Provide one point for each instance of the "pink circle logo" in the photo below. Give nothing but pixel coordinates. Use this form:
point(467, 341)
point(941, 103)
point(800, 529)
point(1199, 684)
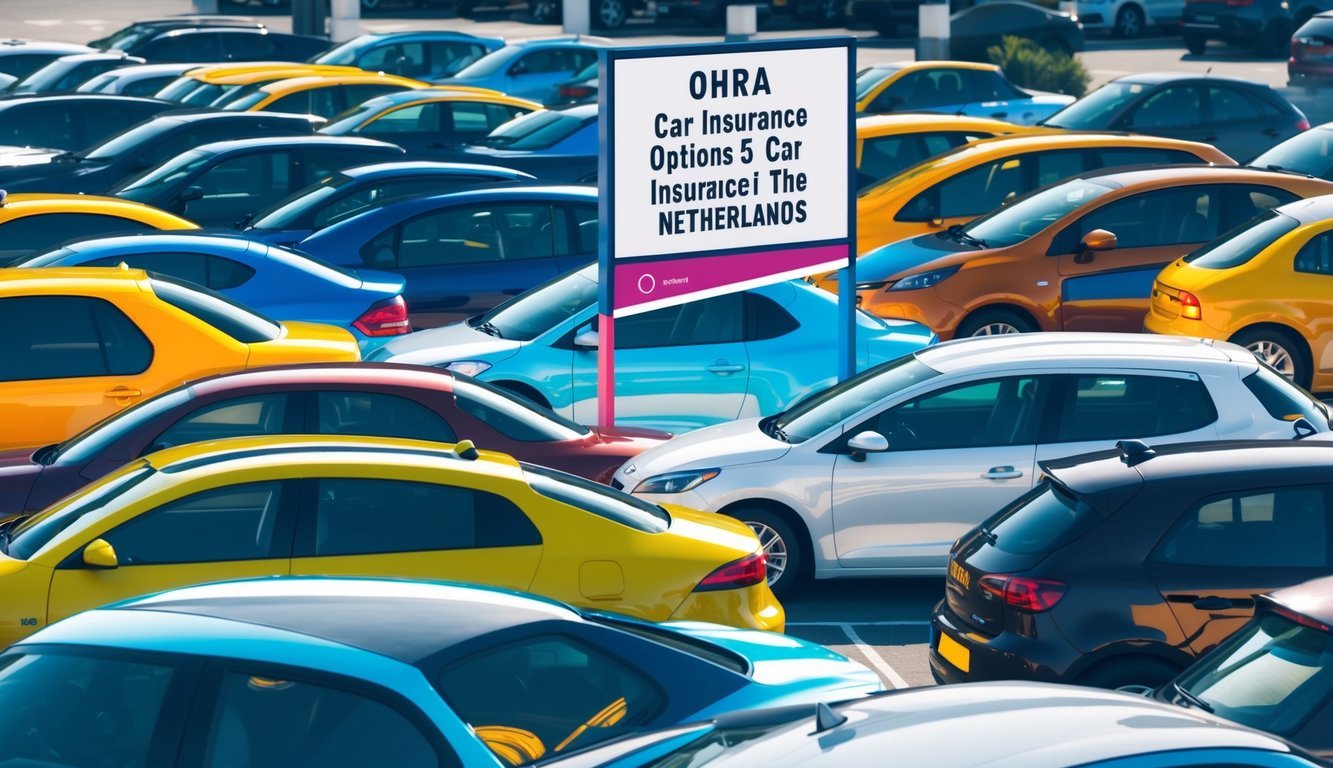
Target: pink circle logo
point(647, 283)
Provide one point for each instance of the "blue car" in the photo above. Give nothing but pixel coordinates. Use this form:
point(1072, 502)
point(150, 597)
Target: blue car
point(282, 284)
point(954, 88)
point(430, 55)
point(343, 194)
point(557, 145)
point(465, 252)
point(531, 69)
point(745, 354)
point(309, 672)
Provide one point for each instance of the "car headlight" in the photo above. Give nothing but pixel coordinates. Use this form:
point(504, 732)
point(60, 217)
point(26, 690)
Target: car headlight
point(923, 279)
point(677, 482)
point(467, 367)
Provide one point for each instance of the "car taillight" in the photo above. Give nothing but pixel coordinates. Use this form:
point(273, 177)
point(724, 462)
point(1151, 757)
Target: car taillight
point(1302, 124)
point(387, 317)
point(745, 572)
point(1300, 618)
point(575, 91)
point(1190, 308)
point(1024, 594)
point(1239, 3)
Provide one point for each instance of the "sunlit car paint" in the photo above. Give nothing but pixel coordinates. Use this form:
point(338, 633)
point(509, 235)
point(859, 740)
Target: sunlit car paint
point(995, 97)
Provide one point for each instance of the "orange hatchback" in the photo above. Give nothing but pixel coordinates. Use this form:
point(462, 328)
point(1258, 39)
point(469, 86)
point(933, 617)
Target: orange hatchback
point(1079, 255)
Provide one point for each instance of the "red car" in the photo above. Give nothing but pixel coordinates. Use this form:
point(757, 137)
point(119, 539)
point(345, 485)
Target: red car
point(1311, 61)
point(331, 399)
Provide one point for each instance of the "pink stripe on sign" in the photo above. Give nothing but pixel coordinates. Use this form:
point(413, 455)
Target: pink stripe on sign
point(652, 281)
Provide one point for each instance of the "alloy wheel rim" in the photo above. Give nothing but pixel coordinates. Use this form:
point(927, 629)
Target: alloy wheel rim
point(1129, 25)
point(996, 329)
point(775, 550)
point(1276, 356)
point(611, 13)
point(829, 9)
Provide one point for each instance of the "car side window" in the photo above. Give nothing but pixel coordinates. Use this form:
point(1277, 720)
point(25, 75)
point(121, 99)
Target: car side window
point(540, 696)
point(235, 523)
point(448, 57)
point(472, 120)
point(992, 86)
point(42, 125)
point(379, 415)
point(1114, 407)
point(356, 94)
point(413, 118)
point(61, 337)
point(539, 62)
point(765, 319)
point(1241, 202)
point(1054, 166)
point(1171, 216)
point(43, 230)
point(1273, 528)
point(978, 414)
point(262, 721)
point(585, 228)
point(259, 175)
point(470, 234)
point(235, 417)
point(885, 156)
point(1110, 157)
point(412, 517)
point(358, 201)
point(300, 103)
point(716, 320)
point(201, 48)
point(209, 271)
point(970, 193)
point(1178, 106)
point(1232, 106)
point(1316, 256)
point(322, 163)
point(241, 46)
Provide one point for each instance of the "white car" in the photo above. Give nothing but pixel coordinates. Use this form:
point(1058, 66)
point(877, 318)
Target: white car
point(878, 475)
point(1127, 18)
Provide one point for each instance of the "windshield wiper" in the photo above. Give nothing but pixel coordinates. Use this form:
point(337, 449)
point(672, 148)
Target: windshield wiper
point(770, 427)
point(490, 329)
point(1190, 698)
point(957, 235)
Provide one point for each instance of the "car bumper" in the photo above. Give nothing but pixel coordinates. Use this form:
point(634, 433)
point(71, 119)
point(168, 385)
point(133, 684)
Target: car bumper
point(756, 608)
point(1223, 26)
point(960, 656)
point(939, 316)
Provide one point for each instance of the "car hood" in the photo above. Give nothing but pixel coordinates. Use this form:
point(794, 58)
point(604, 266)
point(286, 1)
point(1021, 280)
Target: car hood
point(457, 341)
point(1052, 99)
point(905, 256)
point(783, 660)
point(722, 445)
point(17, 473)
point(12, 156)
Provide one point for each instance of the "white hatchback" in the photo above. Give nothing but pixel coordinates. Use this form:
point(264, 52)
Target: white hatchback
point(878, 475)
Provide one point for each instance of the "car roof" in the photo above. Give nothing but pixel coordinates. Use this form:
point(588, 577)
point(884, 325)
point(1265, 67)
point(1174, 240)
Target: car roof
point(911, 122)
point(912, 66)
point(307, 374)
point(156, 241)
point(440, 93)
point(585, 40)
point(112, 55)
point(1157, 78)
point(1173, 174)
point(509, 191)
point(307, 82)
point(198, 114)
point(395, 167)
point(194, 20)
point(1089, 349)
point(315, 139)
point(1314, 598)
point(1310, 210)
point(409, 621)
point(1000, 725)
point(107, 278)
point(56, 98)
point(17, 46)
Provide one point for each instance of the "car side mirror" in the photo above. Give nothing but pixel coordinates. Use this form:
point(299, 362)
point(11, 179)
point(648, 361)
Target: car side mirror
point(588, 339)
point(100, 554)
point(1093, 242)
point(383, 258)
point(866, 442)
point(1302, 427)
point(190, 194)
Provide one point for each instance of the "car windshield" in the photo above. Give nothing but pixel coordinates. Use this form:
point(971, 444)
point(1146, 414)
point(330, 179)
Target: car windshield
point(45, 79)
point(232, 318)
point(597, 499)
point(126, 38)
point(1013, 223)
point(289, 212)
point(178, 89)
point(243, 102)
point(1307, 152)
point(1242, 243)
point(232, 93)
point(1095, 111)
point(870, 77)
point(29, 536)
point(1271, 675)
point(490, 63)
point(128, 142)
point(153, 181)
point(830, 407)
point(92, 441)
point(1042, 520)
point(536, 130)
point(206, 94)
point(534, 312)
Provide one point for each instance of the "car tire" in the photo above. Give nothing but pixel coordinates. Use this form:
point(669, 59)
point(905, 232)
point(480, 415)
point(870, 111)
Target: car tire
point(783, 545)
point(1281, 349)
point(1275, 40)
point(1130, 670)
point(993, 322)
point(1129, 22)
point(1195, 43)
point(609, 14)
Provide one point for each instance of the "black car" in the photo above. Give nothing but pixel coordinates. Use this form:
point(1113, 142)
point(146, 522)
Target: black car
point(1310, 153)
point(69, 72)
point(206, 44)
point(1264, 26)
point(1240, 117)
point(219, 184)
point(974, 30)
point(1274, 674)
point(20, 58)
point(1122, 567)
point(887, 17)
point(52, 124)
point(143, 28)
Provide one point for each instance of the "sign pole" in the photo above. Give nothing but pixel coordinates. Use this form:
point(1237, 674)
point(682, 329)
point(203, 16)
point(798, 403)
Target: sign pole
point(606, 370)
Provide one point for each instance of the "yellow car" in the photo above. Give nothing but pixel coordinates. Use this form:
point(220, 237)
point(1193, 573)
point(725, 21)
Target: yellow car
point(34, 222)
point(204, 85)
point(961, 185)
point(364, 506)
point(889, 144)
point(1267, 286)
point(323, 95)
point(80, 344)
point(430, 118)
point(951, 87)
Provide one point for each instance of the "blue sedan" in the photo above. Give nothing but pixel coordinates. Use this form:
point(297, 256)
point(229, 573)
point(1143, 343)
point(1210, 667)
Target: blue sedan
point(283, 284)
point(343, 194)
point(303, 673)
point(531, 69)
point(557, 145)
point(740, 355)
point(465, 252)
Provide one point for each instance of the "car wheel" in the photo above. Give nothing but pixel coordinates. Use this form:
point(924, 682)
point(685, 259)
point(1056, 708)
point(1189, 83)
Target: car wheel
point(1195, 43)
point(783, 546)
point(994, 322)
point(1129, 22)
point(1279, 349)
point(610, 14)
point(1275, 40)
point(1131, 670)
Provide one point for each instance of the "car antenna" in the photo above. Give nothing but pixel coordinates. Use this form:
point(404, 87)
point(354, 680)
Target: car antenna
point(1134, 452)
point(826, 719)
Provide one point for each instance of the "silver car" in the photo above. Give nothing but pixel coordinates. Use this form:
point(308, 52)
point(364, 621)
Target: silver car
point(878, 475)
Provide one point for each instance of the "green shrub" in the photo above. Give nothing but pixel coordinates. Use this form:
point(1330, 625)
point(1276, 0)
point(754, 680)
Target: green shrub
point(1029, 65)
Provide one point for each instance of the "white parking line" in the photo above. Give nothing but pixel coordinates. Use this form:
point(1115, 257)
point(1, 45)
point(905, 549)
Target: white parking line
point(887, 672)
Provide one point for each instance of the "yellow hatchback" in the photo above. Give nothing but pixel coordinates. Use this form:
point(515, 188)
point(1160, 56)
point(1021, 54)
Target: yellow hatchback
point(202, 86)
point(32, 223)
point(80, 344)
point(1266, 285)
point(322, 95)
point(364, 506)
point(975, 179)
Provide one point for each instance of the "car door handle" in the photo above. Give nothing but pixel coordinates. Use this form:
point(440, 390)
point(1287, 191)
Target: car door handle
point(1212, 602)
point(1271, 132)
point(999, 115)
point(123, 393)
point(1002, 473)
point(723, 368)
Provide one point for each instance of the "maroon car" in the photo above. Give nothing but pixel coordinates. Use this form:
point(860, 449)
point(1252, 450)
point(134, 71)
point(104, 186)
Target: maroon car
point(1311, 61)
point(335, 399)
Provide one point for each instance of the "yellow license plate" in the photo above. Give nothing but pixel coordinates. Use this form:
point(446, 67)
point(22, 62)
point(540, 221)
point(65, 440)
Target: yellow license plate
point(959, 574)
point(954, 652)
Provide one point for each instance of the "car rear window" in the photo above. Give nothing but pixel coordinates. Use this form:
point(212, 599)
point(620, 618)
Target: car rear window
point(597, 499)
point(1242, 243)
point(1043, 520)
point(235, 320)
point(1284, 400)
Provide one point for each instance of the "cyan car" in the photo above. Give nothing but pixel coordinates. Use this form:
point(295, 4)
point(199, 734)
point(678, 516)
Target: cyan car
point(557, 145)
point(282, 284)
point(429, 55)
point(343, 194)
point(530, 69)
point(744, 354)
point(303, 672)
point(465, 252)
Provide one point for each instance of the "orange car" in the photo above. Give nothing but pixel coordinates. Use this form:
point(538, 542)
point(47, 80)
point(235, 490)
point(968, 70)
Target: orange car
point(32, 223)
point(82, 343)
point(1079, 255)
point(961, 185)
